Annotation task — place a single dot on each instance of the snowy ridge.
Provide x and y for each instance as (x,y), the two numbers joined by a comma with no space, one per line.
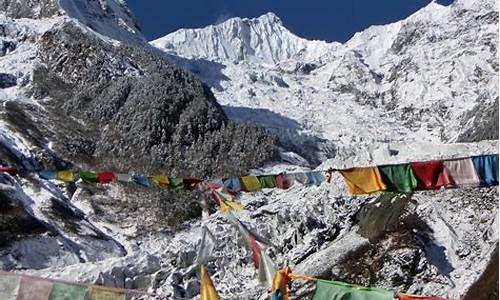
(263,39)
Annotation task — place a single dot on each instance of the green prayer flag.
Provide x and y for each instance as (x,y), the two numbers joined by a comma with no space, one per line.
(267,181)
(336,290)
(63,291)
(102,294)
(176,183)
(9,286)
(398,178)
(87,176)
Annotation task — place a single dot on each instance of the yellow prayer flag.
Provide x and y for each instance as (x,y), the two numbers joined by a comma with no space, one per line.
(226,206)
(207,289)
(250,183)
(363,180)
(161,181)
(105,294)
(66,176)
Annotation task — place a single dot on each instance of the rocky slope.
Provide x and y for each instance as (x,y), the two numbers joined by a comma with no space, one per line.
(81,88)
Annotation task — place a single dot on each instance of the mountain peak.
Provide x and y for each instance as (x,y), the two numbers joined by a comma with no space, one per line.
(262,39)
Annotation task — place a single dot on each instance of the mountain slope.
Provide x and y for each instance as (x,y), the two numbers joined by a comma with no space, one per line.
(421,78)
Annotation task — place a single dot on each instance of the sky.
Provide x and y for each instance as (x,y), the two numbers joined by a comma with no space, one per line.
(329,20)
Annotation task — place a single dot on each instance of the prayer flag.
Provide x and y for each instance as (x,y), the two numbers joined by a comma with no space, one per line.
(462,171)
(124,177)
(255,248)
(363,180)
(9,286)
(301,177)
(205,247)
(267,181)
(207,288)
(315,178)
(63,291)
(487,168)
(141,180)
(176,183)
(232,184)
(280,283)
(284,181)
(105,177)
(97,293)
(430,174)
(226,202)
(34,289)
(266,269)
(87,176)
(161,182)
(250,183)
(191,184)
(10,170)
(398,178)
(66,176)
(48,175)
(336,290)
(402,296)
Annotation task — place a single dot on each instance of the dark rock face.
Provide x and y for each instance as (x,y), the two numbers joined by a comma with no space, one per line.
(7,80)
(29,8)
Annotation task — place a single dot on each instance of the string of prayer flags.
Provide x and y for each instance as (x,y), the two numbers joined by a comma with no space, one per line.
(363,180)
(398,178)
(334,290)
(207,288)
(487,169)
(97,293)
(461,171)
(401,296)
(160,181)
(431,175)
(281,280)
(250,183)
(481,170)
(205,247)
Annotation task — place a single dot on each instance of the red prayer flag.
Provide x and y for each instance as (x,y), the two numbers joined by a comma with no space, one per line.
(105,177)
(10,170)
(402,296)
(255,250)
(191,183)
(431,175)
(282,181)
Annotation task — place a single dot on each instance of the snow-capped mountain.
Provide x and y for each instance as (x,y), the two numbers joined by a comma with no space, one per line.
(81,88)
(421,78)
(263,40)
